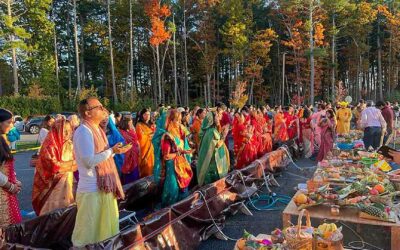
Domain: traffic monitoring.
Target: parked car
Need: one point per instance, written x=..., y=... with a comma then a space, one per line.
x=33, y=125
x=19, y=123
x=64, y=113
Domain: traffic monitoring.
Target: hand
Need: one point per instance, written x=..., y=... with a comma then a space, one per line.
x=18, y=183
x=395, y=155
x=119, y=149
x=13, y=188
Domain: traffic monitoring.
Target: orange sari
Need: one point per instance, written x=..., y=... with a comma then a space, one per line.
x=280, y=133
x=146, y=159
x=195, y=130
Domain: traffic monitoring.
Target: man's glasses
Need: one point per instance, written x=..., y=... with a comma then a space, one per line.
x=95, y=107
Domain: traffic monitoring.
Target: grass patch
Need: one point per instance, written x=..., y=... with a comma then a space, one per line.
x=23, y=145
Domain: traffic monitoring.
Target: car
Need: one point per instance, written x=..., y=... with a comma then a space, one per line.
x=33, y=125
x=19, y=123
x=64, y=113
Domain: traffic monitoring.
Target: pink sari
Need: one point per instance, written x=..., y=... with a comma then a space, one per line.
x=327, y=135
x=307, y=137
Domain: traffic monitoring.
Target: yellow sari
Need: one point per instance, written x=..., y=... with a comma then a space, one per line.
x=146, y=159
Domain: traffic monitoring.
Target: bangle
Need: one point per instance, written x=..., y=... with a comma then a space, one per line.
x=11, y=188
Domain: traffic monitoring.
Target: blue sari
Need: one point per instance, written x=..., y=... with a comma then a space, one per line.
x=114, y=137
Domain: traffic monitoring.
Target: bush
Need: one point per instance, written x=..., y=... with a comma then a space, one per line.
x=25, y=106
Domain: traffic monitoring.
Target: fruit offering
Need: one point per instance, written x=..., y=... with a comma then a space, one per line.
x=277, y=236
x=249, y=242
x=300, y=199
x=329, y=231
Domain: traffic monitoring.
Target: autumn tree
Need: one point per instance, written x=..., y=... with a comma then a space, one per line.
x=159, y=35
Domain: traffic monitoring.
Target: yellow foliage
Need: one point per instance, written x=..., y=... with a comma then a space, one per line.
x=239, y=99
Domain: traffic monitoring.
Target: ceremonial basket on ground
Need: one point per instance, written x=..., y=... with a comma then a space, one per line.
x=300, y=237
x=324, y=244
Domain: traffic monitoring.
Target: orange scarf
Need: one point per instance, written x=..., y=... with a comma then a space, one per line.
x=107, y=176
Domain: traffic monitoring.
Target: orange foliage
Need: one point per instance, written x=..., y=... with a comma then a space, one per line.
x=319, y=34
x=157, y=14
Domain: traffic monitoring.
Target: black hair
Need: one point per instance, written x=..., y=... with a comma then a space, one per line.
x=46, y=121
x=380, y=104
x=140, y=116
x=199, y=111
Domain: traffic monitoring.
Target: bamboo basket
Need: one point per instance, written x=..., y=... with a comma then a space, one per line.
x=323, y=244
x=296, y=236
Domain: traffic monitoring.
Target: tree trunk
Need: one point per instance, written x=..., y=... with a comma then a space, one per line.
x=131, y=43
x=69, y=59
x=56, y=63
x=78, y=78
x=158, y=72
x=175, y=76
x=390, y=67
x=82, y=57
x=380, y=65
x=333, y=59
x=14, y=54
x=311, y=54
x=185, y=55
x=114, y=86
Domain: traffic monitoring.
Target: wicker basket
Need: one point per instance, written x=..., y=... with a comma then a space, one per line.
x=296, y=236
x=396, y=184
x=322, y=244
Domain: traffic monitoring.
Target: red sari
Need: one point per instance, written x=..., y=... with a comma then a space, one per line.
x=53, y=179
x=257, y=139
x=244, y=148
x=9, y=207
x=130, y=167
x=291, y=125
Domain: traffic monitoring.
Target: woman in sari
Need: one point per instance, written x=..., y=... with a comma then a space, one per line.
x=53, y=180
x=257, y=122
x=196, y=127
x=328, y=128
x=213, y=162
x=114, y=137
x=176, y=173
x=280, y=132
x=244, y=148
x=130, y=167
x=9, y=185
x=145, y=132
x=307, y=135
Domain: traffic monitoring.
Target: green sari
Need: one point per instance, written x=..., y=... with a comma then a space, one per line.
x=172, y=193
x=213, y=163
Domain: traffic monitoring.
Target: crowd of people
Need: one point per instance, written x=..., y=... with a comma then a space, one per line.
x=85, y=159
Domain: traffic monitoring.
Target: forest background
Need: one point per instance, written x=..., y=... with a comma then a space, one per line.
x=138, y=53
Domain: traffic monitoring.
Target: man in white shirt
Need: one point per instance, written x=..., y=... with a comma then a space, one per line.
x=374, y=126
x=99, y=185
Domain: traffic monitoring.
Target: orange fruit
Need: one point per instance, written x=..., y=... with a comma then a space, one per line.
x=380, y=188
x=300, y=199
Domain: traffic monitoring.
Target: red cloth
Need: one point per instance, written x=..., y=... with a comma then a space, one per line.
x=244, y=147
x=291, y=125
x=9, y=202
x=131, y=160
x=257, y=136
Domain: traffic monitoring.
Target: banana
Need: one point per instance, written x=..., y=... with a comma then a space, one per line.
x=327, y=227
